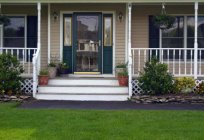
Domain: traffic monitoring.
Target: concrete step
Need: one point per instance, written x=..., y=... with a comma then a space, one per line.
x=84, y=81
x=83, y=89
x=84, y=97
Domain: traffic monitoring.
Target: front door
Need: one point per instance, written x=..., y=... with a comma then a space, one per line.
x=87, y=51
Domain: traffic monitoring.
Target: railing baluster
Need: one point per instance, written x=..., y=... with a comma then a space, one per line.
x=17, y=54
x=133, y=62
x=174, y=61
x=28, y=61
x=185, y=57
x=179, y=62
x=200, y=63
x=168, y=60
x=139, y=62
x=191, y=62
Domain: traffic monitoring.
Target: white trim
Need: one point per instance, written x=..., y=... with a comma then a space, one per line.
x=126, y=34
x=196, y=42
x=61, y=36
x=49, y=33
x=129, y=49
x=114, y=33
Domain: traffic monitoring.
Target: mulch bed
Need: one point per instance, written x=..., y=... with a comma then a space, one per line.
x=172, y=99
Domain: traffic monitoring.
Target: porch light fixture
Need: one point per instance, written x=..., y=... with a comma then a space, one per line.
x=55, y=16
x=120, y=16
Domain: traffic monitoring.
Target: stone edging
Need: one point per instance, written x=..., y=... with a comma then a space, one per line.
x=21, y=98
x=173, y=99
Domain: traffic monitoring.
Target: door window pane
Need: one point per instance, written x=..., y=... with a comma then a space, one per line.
x=107, y=31
x=67, y=31
x=88, y=41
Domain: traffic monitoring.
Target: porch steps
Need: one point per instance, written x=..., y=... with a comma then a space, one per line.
x=89, y=89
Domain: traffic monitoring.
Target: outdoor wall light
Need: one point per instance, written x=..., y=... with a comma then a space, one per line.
x=55, y=16
x=120, y=16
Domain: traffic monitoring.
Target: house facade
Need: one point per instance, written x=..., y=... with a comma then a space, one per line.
x=93, y=37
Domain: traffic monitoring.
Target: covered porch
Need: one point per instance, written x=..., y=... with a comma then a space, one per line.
x=132, y=37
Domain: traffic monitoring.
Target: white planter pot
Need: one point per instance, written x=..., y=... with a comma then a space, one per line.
x=52, y=72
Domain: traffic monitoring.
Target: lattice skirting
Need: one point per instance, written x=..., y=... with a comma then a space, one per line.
x=136, y=90
x=27, y=86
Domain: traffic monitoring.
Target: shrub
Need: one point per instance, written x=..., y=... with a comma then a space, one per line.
x=124, y=73
x=10, y=71
x=200, y=88
x=184, y=85
x=155, y=79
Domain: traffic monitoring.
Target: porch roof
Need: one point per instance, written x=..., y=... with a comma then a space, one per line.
x=99, y=1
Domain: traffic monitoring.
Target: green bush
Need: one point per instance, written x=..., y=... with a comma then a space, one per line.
x=200, y=88
x=155, y=79
x=10, y=71
x=184, y=85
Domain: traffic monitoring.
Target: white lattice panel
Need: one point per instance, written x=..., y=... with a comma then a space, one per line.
x=136, y=90
x=27, y=86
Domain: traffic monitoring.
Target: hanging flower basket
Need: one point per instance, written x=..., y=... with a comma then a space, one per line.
x=164, y=21
x=4, y=20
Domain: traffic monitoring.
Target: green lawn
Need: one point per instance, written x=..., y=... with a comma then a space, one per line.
x=58, y=124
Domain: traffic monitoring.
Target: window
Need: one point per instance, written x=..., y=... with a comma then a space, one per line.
x=14, y=33
x=178, y=37
x=174, y=38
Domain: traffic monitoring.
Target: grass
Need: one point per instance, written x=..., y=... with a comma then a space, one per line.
x=58, y=124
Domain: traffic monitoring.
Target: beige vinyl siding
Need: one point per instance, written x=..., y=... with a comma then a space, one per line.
x=140, y=30
x=31, y=10
x=119, y=29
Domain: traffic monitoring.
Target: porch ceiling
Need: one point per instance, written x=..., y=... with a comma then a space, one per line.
x=98, y=1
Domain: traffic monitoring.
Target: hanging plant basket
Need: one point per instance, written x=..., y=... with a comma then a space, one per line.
x=4, y=20
x=164, y=21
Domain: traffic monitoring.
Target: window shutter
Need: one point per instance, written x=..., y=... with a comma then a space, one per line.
x=154, y=34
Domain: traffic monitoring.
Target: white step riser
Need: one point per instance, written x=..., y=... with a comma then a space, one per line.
x=84, y=90
x=83, y=97
x=84, y=82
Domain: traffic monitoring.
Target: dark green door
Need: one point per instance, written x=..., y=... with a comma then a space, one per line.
x=87, y=45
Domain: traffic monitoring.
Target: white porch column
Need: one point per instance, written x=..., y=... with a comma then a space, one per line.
x=129, y=48
x=196, y=42
x=39, y=32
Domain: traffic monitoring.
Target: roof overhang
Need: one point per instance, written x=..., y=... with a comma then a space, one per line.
x=99, y=1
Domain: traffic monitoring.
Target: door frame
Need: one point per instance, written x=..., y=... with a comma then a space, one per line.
x=114, y=37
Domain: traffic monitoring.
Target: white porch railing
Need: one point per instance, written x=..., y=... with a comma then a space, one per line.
x=180, y=61
x=36, y=70
x=24, y=55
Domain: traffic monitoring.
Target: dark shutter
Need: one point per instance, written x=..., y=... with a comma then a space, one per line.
x=154, y=34
x=32, y=28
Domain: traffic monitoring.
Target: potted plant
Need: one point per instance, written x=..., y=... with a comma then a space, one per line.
x=123, y=78
x=64, y=68
x=52, y=69
x=4, y=20
x=120, y=68
x=164, y=21
x=43, y=77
